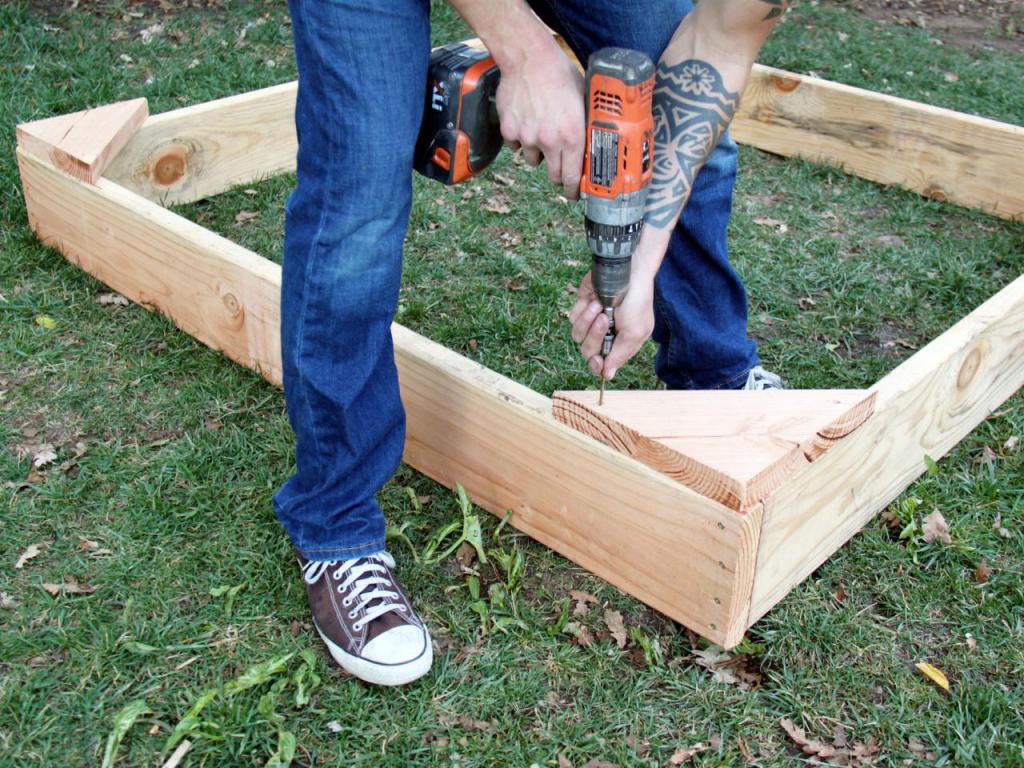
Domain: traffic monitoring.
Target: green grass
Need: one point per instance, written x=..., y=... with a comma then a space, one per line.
x=182, y=450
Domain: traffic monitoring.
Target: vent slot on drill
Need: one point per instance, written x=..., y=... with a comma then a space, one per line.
x=604, y=101
x=604, y=156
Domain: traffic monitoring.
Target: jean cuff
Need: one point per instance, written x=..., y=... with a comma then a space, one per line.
x=342, y=553
x=734, y=379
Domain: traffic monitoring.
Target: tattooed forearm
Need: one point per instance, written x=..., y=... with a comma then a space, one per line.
x=692, y=107
x=778, y=7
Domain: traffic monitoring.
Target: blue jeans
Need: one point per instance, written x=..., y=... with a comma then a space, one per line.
x=362, y=68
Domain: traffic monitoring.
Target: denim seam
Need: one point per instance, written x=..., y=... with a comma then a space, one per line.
x=344, y=549
x=314, y=245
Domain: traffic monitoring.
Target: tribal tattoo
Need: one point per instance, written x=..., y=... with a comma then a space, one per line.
x=692, y=108
x=779, y=7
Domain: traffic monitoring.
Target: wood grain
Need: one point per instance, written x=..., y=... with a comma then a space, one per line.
x=734, y=447
x=923, y=408
x=84, y=143
x=680, y=552
x=946, y=155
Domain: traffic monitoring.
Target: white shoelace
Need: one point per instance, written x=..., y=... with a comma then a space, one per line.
x=363, y=583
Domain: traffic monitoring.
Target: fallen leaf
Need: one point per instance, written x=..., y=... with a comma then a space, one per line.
x=839, y=736
x=46, y=322
x=473, y=344
x=840, y=594
x=514, y=283
x=505, y=181
x=250, y=191
x=563, y=761
x=748, y=755
x=112, y=299
x=580, y=634
x=1011, y=443
x=496, y=205
x=32, y=550
x=683, y=754
x=213, y=424
x=244, y=217
x=934, y=674
x=582, y=602
x=640, y=747
x=43, y=455
x=613, y=620
x=997, y=525
x=465, y=554
x=951, y=77
x=595, y=763
x=808, y=745
x=806, y=302
x=935, y=528
x=70, y=586
x=468, y=723
x=715, y=742
x=765, y=221
x=982, y=572
x=7, y=602
x=843, y=36
x=334, y=726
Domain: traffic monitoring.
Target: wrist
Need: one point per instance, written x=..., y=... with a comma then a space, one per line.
x=522, y=40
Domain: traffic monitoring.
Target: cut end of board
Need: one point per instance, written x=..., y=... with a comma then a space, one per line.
x=82, y=144
x=735, y=447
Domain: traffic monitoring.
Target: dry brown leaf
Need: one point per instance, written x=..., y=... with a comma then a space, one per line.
x=683, y=754
x=505, y=181
x=745, y=750
x=473, y=344
x=43, y=455
x=32, y=550
x=951, y=77
x=800, y=738
x=563, y=761
x=806, y=302
x=244, y=217
x=465, y=554
x=70, y=586
x=7, y=602
x=580, y=634
x=765, y=221
x=1011, y=443
x=997, y=525
x=982, y=572
x=840, y=594
x=112, y=299
x=497, y=204
x=935, y=528
x=613, y=620
x=595, y=763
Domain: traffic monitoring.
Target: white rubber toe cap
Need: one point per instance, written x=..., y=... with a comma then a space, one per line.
x=396, y=646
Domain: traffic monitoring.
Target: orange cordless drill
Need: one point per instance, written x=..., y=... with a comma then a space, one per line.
x=617, y=170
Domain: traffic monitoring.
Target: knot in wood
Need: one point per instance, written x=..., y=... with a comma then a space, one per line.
x=969, y=368
x=785, y=84
x=170, y=166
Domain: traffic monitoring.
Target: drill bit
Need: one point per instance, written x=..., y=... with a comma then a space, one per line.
x=606, y=347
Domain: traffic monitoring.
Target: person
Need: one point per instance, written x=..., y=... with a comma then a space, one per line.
x=362, y=72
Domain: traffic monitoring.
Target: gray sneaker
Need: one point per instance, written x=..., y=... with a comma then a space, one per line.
x=366, y=620
x=761, y=380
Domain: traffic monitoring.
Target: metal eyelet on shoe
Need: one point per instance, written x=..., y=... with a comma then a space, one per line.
x=345, y=601
x=402, y=608
x=357, y=626
x=352, y=615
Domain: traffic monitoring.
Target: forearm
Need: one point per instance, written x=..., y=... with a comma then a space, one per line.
x=509, y=29
x=698, y=84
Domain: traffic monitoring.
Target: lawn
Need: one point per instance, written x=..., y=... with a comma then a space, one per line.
x=181, y=605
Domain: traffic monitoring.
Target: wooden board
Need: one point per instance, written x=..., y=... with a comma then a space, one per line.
x=946, y=155
x=733, y=447
x=923, y=408
x=198, y=151
x=83, y=143
x=679, y=552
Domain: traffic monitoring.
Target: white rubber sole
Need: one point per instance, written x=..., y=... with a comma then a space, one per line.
x=377, y=673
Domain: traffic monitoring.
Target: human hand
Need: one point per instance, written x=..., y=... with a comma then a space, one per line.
x=540, y=103
x=634, y=323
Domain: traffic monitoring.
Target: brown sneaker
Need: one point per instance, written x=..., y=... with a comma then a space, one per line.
x=366, y=620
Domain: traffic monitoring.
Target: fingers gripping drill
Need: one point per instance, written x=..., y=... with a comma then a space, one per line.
x=617, y=171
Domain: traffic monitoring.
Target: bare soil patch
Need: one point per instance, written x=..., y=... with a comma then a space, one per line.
x=968, y=24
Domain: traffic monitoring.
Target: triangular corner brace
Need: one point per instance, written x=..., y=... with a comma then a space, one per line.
x=82, y=144
x=735, y=447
